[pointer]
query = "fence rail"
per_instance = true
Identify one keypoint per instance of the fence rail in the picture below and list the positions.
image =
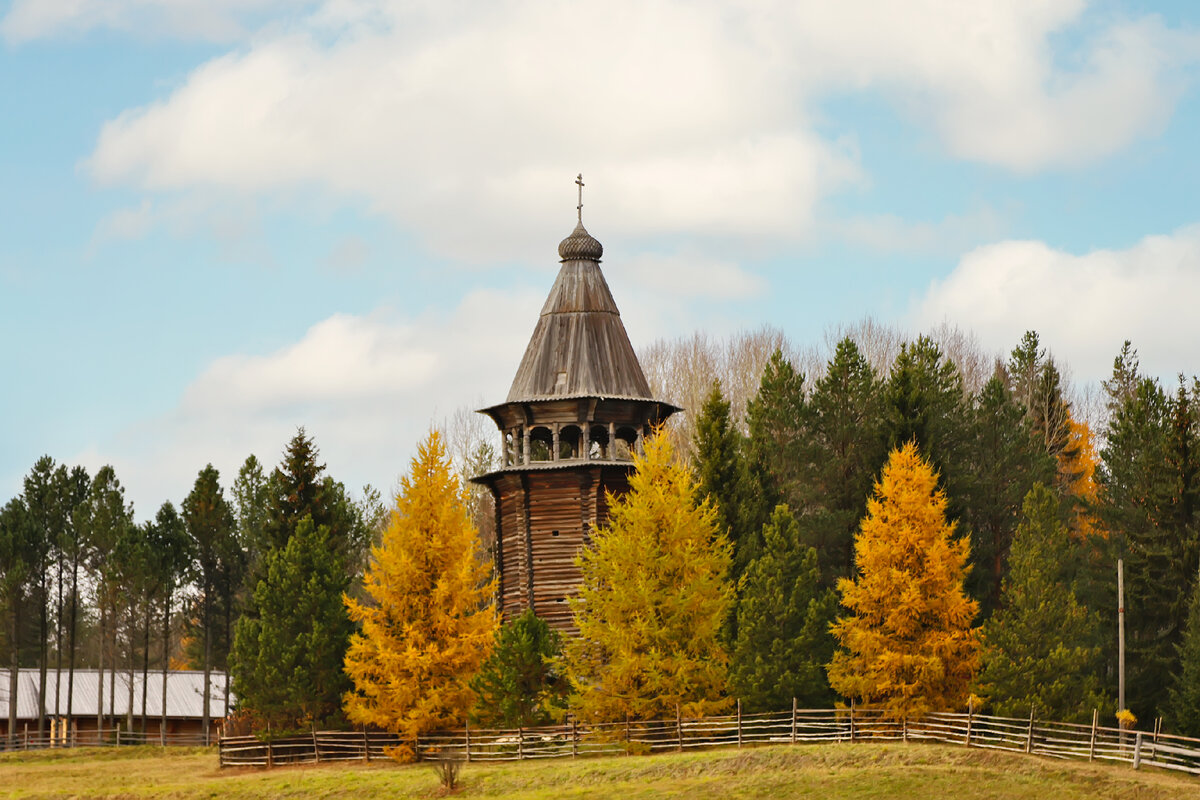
(577, 740)
(107, 737)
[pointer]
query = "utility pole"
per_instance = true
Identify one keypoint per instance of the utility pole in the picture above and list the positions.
(1120, 634)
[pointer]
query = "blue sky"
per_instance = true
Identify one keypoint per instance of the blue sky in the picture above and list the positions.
(222, 219)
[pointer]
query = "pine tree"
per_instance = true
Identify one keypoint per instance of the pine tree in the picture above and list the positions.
(519, 685)
(209, 522)
(1043, 647)
(1149, 489)
(843, 450)
(653, 600)
(775, 417)
(1005, 464)
(908, 642)
(721, 474)
(429, 625)
(783, 641)
(288, 671)
(1184, 709)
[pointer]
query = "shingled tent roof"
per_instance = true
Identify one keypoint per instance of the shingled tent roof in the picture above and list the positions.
(579, 347)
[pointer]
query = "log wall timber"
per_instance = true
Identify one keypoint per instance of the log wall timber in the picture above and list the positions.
(545, 518)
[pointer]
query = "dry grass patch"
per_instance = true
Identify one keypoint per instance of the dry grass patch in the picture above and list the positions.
(833, 772)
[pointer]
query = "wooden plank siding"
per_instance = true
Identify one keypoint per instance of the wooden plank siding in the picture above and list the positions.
(545, 518)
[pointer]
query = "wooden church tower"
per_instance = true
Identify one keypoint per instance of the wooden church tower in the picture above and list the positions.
(575, 415)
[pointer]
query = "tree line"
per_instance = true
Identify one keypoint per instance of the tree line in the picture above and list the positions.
(744, 562)
(82, 585)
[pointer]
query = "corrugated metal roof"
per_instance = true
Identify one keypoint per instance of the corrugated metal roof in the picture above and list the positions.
(185, 693)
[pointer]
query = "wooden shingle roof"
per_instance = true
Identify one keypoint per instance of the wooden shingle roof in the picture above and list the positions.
(579, 347)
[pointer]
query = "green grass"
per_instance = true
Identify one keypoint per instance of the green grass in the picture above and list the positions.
(831, 772)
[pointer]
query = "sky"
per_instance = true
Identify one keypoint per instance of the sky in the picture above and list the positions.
(221, 220)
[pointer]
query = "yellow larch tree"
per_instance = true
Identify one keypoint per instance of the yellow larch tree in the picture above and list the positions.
(908, 645)
(1077, 465)
(430, 622)
(655, 594)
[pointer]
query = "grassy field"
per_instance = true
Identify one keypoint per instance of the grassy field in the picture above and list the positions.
(831, 772)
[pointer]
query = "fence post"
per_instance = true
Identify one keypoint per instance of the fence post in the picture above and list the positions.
(739, 709)
(574, 738)
(366, 746)
(1137, 751)
(793, 720)
(467, 736)
(1092, 744)
(316, 750)
(904, 728)
(628, 742)
(417, 747)
(970, 719)
(1029, 734)
(678, 729)
(520, 743)
(852, 719)
(270, 753)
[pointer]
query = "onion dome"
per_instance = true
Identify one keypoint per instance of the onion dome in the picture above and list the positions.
(580, 245)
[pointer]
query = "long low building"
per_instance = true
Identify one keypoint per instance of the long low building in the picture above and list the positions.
(184, 716)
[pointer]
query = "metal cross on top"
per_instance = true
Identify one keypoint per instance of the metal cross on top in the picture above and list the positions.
(579, 183)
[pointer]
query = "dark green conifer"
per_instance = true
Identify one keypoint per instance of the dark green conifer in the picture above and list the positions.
(288, 669)
(1042, 648)
(783, 640)
(519, 684)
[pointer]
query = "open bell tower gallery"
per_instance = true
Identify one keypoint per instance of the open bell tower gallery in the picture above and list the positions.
(577, 411)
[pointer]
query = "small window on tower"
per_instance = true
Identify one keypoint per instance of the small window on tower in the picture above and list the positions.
(560, 383)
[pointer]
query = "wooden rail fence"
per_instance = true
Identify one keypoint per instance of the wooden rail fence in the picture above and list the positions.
(577, 740)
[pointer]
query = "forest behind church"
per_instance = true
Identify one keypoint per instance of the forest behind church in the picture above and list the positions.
(1047, 484)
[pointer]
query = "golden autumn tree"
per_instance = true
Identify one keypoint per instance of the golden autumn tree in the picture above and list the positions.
(654, 596)
(1077, 465)
(908, 645)
(430, 622)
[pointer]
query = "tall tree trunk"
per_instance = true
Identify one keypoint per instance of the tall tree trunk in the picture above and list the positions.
(115, 658)
(58, 637)
(14, 667)
(145, 664)
(43, 655)
(130, 662)
(100, 671)
(228, 646)
(207, 657)
(166, 666)
(71, 637)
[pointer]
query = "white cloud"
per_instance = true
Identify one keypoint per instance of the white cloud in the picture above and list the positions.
(366, 388)
(684, 116)
(1083, 306)
(216, 20)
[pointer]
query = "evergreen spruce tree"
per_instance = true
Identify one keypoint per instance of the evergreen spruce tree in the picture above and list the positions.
(1184, 716)
(1042, 648)
(654, 596)
(519, 685)
(908, 645)
(288, 670)
(429, 624)
(1005, 465)
(926, 406)
(775, 417)
(721, 474)
(842, 453)
(1149, 486)
(783, 640)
